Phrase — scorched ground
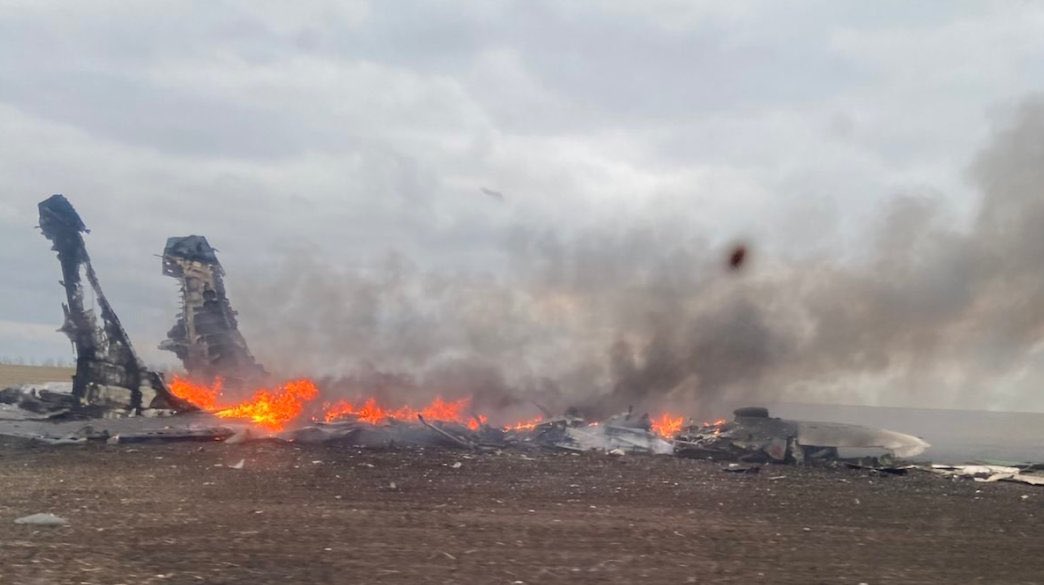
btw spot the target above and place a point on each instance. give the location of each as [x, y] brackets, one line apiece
[178, 513]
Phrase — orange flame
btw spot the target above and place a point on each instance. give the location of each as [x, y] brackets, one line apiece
[525, 425]
[270, 409]
[205, 397]
[477, 421]
[274, 408]
[667, 425]
[438, 410]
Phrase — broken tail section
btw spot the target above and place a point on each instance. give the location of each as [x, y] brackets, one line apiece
[206, 336]
[109, 373]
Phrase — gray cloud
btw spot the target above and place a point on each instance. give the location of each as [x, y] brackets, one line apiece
[359, 131]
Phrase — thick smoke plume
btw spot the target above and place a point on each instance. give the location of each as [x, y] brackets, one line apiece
[932, 315]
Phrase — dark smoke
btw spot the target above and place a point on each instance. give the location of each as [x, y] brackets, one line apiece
[934, 315]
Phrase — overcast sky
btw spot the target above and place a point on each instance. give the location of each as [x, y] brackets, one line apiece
[441, 130]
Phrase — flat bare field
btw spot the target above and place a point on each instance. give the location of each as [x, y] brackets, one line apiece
[182, 513]
[11, 375]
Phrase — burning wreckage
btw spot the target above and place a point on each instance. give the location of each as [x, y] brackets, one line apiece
[113, 396]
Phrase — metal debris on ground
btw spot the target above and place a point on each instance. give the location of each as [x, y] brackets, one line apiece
[196, 426]
[880, 469]
[741, 468]
[37, 401]
[623, 433]
[1028, 474]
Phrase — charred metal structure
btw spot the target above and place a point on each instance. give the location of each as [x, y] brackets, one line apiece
[754, 436]
[108, 372]
[206, 336]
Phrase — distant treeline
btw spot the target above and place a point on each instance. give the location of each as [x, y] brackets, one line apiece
[48, 362]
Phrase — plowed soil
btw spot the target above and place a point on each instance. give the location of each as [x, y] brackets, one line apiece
[180, 513]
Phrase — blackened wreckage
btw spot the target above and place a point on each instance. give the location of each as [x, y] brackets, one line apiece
[109, 373]
[110, 379]
[206, 337]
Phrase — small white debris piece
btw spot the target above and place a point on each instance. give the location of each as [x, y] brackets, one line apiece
[238, 465]
[617, 452]
[988, 473]
[456, 465]
[113, 440]
[317, 462]
[64, 440]
[392, 485]
[44, 519]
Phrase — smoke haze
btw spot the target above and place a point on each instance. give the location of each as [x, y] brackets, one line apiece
[929, 313]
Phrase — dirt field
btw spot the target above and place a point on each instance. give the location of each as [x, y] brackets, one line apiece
[177, 513]
[11, 375]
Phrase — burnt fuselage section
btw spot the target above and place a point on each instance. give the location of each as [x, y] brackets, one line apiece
[206, 336]
[754, 436]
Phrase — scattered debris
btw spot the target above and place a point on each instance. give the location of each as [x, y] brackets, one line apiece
[623, 433]
[37, 401]
[238, 465]
[193, 426]
[1028, 474]
[741, 468]
[437, 427]
[43, 519]
[881, 469]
